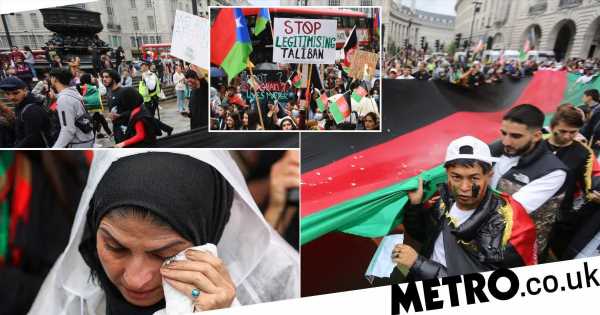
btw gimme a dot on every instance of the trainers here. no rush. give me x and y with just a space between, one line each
100 136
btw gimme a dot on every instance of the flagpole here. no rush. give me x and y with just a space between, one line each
257 100
308 86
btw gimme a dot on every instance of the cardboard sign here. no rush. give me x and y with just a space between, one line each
358 61
191 39
308 41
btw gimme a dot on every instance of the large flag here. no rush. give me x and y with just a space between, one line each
261 20
480 45
355 188
340 109
230 44
350 47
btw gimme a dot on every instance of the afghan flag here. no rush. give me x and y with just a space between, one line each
340 109
323 102
230 44
359 93
296 79
355 188
350 47
261 21
376 23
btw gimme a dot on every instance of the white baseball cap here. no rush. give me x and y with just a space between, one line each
469 147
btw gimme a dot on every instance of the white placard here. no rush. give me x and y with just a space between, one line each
309 41
12 6
191 38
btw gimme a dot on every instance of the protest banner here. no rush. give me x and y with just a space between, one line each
191 39
308 41
358 62
271 86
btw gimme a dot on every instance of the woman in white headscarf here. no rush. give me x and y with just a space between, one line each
138 209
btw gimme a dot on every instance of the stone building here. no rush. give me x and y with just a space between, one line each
127 23
570 28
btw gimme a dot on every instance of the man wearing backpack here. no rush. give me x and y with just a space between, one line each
31 119
76 130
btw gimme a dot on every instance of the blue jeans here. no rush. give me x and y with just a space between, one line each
32 70
180 100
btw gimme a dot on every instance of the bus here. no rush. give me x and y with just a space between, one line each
158 50
346 20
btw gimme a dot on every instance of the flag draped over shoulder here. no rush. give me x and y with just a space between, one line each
261 21
230 42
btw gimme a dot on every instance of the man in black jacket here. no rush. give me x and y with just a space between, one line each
198 98
470 228
31 124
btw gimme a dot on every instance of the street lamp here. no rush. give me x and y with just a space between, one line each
477 5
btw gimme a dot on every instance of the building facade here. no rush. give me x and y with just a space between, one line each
570 28
405 24
127 23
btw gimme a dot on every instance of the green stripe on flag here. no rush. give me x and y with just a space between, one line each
236 60
6 161
356 97
372 215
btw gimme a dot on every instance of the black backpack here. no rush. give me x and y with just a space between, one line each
52 130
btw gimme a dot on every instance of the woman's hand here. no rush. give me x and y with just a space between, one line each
207 274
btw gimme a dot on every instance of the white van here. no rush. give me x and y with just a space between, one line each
491 55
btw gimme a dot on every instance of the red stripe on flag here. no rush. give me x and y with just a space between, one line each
403 157
343 106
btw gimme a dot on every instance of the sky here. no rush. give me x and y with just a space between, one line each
435 6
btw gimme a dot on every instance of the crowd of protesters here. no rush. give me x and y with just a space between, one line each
234 105
479 69
63 105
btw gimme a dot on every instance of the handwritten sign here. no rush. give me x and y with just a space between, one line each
191 39
308 41
358 61
272 86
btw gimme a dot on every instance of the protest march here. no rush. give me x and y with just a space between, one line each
294 69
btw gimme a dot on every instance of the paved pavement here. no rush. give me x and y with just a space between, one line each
168 115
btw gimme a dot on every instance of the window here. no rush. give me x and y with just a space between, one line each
20 20
24 40
334 2
34 20
152 40
151 24
366 3
148 3
108 2
132 4
136 24
133 41
145 40
110 11
158 39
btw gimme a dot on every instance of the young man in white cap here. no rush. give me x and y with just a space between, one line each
470 228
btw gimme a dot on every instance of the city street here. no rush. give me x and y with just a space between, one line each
168 114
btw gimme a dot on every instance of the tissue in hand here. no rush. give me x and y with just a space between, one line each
178 303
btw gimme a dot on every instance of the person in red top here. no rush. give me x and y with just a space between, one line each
141 128
16 55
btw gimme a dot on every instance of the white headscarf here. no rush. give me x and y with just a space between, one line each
262 265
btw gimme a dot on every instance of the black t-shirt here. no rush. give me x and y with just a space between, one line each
578 158
199 106
113 99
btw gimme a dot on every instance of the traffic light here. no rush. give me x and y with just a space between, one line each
466 44
437 45
458 38
423 42
406 43
442 47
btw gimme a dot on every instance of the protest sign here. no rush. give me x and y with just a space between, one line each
358 62
308 41
191 39
271 86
